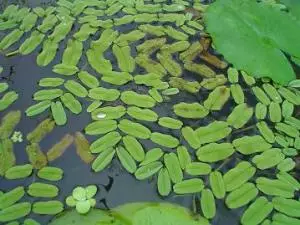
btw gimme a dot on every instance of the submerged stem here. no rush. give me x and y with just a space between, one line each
12 53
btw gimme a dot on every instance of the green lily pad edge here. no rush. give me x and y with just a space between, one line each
145 213
255 37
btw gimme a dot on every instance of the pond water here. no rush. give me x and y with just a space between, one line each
117 186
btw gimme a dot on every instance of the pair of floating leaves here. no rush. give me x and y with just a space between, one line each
101 127
184 157
261 95
142 114
72 53
31 43
108 113
148 170
149 79
97 61
9 198
215 152
76 88
116 78
135 129
198 168
83 148
42 190
272 92
166 60
200 69
103 160
150 65
165 140
237 93
191 137
140 100
190 110
126 160
47 207
251 144
275 187
48 94
208 204
93 106
125 61
48 54
257 211
275 112
287 129
36 157
182 84
38 108
190 186
240 115
104 94
19 172
51 82
11 38
3 87
8 123
50 173
213 132
268 159
289 95
248 191
152 155
155 95
105 142
134 148
88 79
8 99
217 98
40 132
260 111
15 212
31 222
266 132
217 184
164 182
170 123
59 148
173 166
289 207
238 176
58 113
214 82
7 156
71 103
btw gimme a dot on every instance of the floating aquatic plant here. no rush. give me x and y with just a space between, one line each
193 139
82 198
8 98
17 137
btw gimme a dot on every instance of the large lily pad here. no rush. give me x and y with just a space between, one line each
72 217
293 7
255 37
144 213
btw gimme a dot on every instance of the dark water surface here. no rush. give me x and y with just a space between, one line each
117 186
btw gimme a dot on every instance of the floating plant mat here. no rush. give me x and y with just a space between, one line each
123 101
